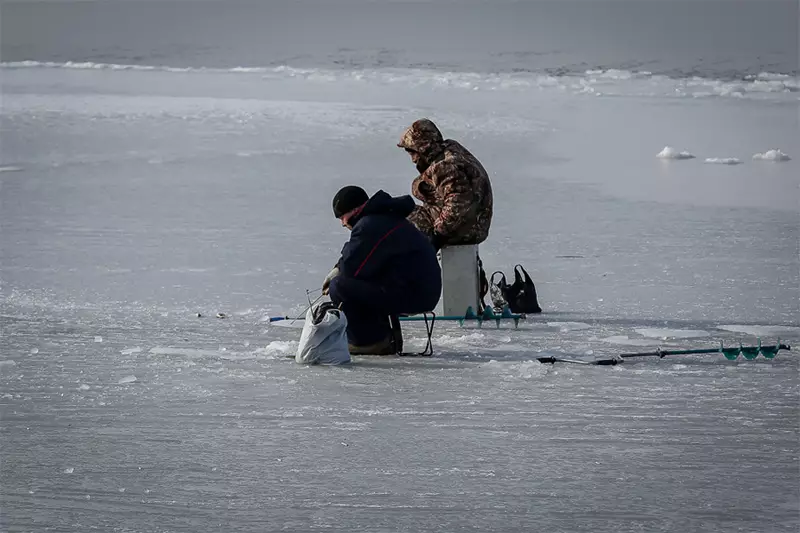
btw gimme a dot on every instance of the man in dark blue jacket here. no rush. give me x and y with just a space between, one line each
388 267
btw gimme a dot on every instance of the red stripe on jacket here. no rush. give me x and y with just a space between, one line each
375 248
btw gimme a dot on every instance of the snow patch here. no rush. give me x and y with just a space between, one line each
772 155
763 331
664 334
671 153
625 341
187 270
518 369
129 351
723 161
280 348
186 352
566 327
461 340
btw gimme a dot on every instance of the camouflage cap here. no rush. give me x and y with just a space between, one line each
420 135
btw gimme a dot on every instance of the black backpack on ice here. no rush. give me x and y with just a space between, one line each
520 296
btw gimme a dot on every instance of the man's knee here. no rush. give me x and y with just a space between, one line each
356 292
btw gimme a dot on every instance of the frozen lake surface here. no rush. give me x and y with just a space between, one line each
137 193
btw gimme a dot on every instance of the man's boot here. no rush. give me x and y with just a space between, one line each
384 347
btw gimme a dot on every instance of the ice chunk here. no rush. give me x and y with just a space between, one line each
10 169
69 470
34 350
671 153
98 338
84 387
127 379
772 155
723 161
7 363
129 351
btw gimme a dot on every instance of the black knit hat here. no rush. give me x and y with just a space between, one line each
347 199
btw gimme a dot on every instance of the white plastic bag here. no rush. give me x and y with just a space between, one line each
324 337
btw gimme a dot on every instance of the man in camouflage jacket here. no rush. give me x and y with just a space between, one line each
453 186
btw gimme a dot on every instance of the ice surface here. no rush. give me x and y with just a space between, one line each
129 351
772 155
479 437
626 341
281 348
723 161
664 334
671 153
594 82
764 331
185 352
566 327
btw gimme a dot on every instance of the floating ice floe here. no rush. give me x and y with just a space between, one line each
723 161
772 155
671 153
127 379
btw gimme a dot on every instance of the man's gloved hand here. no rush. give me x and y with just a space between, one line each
326 285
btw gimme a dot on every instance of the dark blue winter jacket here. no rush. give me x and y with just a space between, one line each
386 249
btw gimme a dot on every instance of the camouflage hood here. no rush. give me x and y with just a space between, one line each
425 138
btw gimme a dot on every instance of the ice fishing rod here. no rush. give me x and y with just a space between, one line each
310 305
731 354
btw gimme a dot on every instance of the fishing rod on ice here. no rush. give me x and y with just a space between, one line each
301 315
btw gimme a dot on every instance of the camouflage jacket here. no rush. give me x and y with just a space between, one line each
453 186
